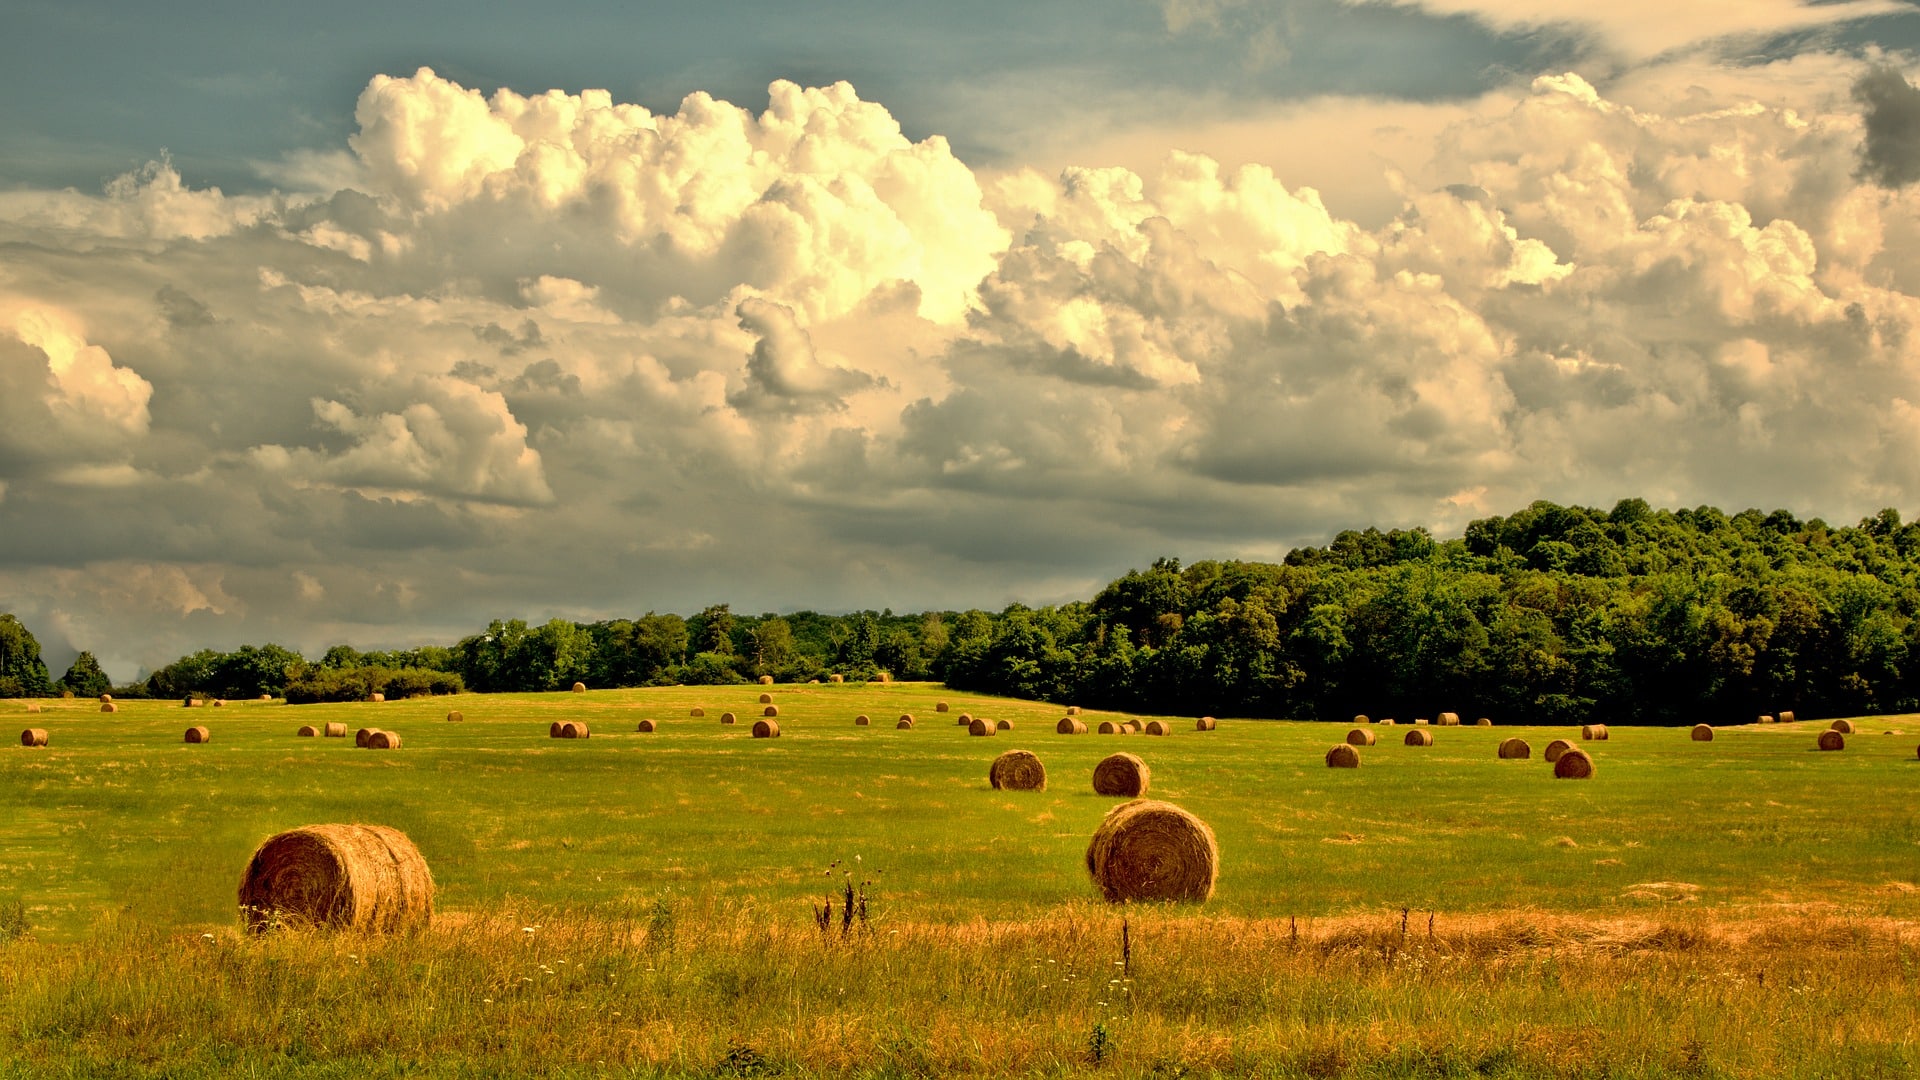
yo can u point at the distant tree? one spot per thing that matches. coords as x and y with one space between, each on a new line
85 678
770 642
22 672
712 630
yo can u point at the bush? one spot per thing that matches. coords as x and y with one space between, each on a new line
361 683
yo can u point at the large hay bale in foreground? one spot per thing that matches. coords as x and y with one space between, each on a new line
1844 727
1418 737
1449 719
307 731
360 737
647 726
766 699
1555 749
1831 739
109 707
940 706
766 680
199 734
1206 723
456 717
1070 725
1786 716
348 877
1122 774
385 740
335 730
863 720
1017 770
34 736
771 710
905 723
1156 727
1343 756
1360 737
1151 850
766 729
983 726
1702 733
1593 732
729 718
1573 765
1515 749
579 688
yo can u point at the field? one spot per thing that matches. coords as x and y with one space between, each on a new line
645 903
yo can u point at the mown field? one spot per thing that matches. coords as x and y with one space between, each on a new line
643 903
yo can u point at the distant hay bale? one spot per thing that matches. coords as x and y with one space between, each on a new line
646 726
1763 718
1417 737
1555 749
219 703
1360 737
1122 774
575 729
1786 716
697 712
885 677
1702 733
963 720
360 737
766 729
34 736
347 877
1833 739
1157 727
1073 710
1844 727
1002 725
1515 749
729 718
1108 727
199 734
1593 732
836 678
766 680
1131 725
377 697
190 703
66 695
771 710
307 731
104 698
456 717
1483 722
1343 756
905 721
1573 765
1070 725
982 726
1151 850
766 699
1206 723
264 697
1388 722
335 730
863 720
1017 770
1449 719
1361 718
384 740
109 707
939 706
1422 720
33 706
579 688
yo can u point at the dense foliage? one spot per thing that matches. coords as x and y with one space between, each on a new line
319 684
22 672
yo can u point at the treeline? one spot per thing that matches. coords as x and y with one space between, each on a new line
1554 614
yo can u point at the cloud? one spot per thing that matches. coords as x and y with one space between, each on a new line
1890 153
783 373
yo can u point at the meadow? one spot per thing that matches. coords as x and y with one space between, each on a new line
644 903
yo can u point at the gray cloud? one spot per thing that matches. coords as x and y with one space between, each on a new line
1890 150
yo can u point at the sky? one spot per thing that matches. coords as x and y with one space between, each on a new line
369 323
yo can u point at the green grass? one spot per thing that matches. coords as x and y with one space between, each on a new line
1736 908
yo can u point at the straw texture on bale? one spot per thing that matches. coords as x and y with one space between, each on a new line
1844 727
1206 723
1360 737
34 736
982 726
1831 739
766 729
903 724
766 680
1017 770
378 697
1070 725
1594 732
1122 774
1515 749
579 688
335 730
729 718
1417 737
771 710
1343 756
1108 727
646 725
1449 719
1555 749
109 707
199 734
697 712
766 699
384 740
307 731
348 877
1702 733
1786 716
360 737
963 720
1573 765
1151 850
940 706
1157 727
863 720
1003 725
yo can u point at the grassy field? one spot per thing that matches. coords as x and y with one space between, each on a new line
1437 912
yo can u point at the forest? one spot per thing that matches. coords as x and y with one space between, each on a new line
1553 614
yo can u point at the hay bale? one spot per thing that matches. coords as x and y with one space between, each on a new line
199 734
1417 737
1151 850
1073 710
1206 723
1388 722
66 695
1070 725
905 723
766 680
647 726
908 717
219 703
347 877
766 699
579 688
456 717
104 698
1361 718
378 697
1003 725
963 720
1483 722
729 718
1786 716
1832 739
384 740
307 731
1017 770
862 721
360 737
1360 737
1343 756
1555 749
1763 718
264 697
1122 774
771 710
1157 727
982 726
575 729
34 736
109 707
766 729
885 677
697 712
836 678
1593 732
1108 727
1131 725
1449 719
1515 749
1422 721
1702 733
1844 727
190 703
33 706
335 730
940 706
1573 765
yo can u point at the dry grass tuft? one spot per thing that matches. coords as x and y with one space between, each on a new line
349 877
1150 850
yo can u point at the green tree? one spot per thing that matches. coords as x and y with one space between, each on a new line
85 678
22 672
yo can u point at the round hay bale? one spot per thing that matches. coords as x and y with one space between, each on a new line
1702 733
836 678
456 717
1073 710
1122 774
1844 727
1070 725
1421 720
1515 749
1151 850
1017 770
1157 727
766 699
1388 722
1832 739
1206 723
1417 737
1343 756
1593 732
360 737
963 720
579 688
729 718
378 697
766 729
199 734
1573 765
553 729
697 712
307 731
766 680
1786 716
1360 737
647 726
219 703
862 721
190 703
908 717
34 736
885 677
384 740
1763 718
1002 725
1483 722
335 730
903 724
109 707
348 877
264 697
982 726
1131 725
940 706
104 698
1108 727
771 710
1449 719
1555 749
1361 718
575 729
